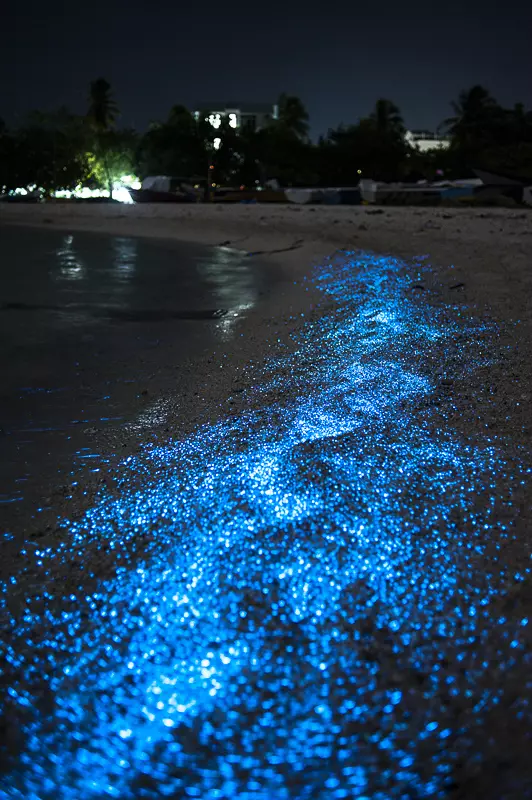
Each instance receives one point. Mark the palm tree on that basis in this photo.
(293, 115)
(473, 106)
(387, 118)
(102, 115)
(103, 110)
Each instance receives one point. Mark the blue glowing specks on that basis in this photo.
(296, 598)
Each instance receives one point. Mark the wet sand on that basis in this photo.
(379, 443)
(491, 248)
(100, 335)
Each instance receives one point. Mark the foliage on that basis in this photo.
(48, 151)
(387, 119)
(362, 150)
(486, 135)
(106, 148)
(474, 107)
(293, 116)
(114, 157)
(59, 150)
(180, 146)
(103, 109)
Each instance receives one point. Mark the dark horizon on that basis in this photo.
(339, 64)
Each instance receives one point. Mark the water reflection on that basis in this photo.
(124, 258)
(156, 414)
(234, 283)
(71, 267)
(79, 312)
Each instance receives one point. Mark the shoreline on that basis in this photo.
(206, 382)
(489, 248)
(478, 259)
(442, 401)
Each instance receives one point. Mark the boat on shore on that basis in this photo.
(495, 179)
(330, 196)
(422, 193)
(164, 189)
(486, 188)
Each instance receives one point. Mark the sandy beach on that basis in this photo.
(490, 248)
(481, 259)
(498, 238)
(396, 336)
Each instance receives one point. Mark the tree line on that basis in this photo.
(61, 150)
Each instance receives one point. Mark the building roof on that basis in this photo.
(244, 107)
(423, 134)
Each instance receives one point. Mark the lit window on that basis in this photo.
(215, 120)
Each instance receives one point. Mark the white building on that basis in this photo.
(424, 141)
(240, 115)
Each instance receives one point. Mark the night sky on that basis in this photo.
(339, 57)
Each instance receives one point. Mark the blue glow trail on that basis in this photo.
(303, 600)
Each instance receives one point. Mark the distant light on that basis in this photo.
(359, 171)
(120, 191)
(233, 122)
(131, 181)
(122, 195)
(20, 191)
(215, 120)
(217, 142)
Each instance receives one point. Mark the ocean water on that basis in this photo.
(90, 327)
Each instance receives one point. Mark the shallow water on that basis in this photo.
(90, 326)
(309, 599)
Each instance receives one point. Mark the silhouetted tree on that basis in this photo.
(102, 114)
(49, 150)
(387, 118)
(181, 146)
(103, 109)
(373, 148)
(118, 148)
(476, 115)
(7, 159)
(483, 134)
(58, 150)
(293, 116)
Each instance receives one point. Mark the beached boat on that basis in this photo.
(496, 185)
(229, 195)
(326, 196)
(399, 193)
(163, 189)
(485, 187)
(494, 179)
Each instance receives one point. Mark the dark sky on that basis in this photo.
(338, 56)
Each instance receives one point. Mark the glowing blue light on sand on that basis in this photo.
(286, 582)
